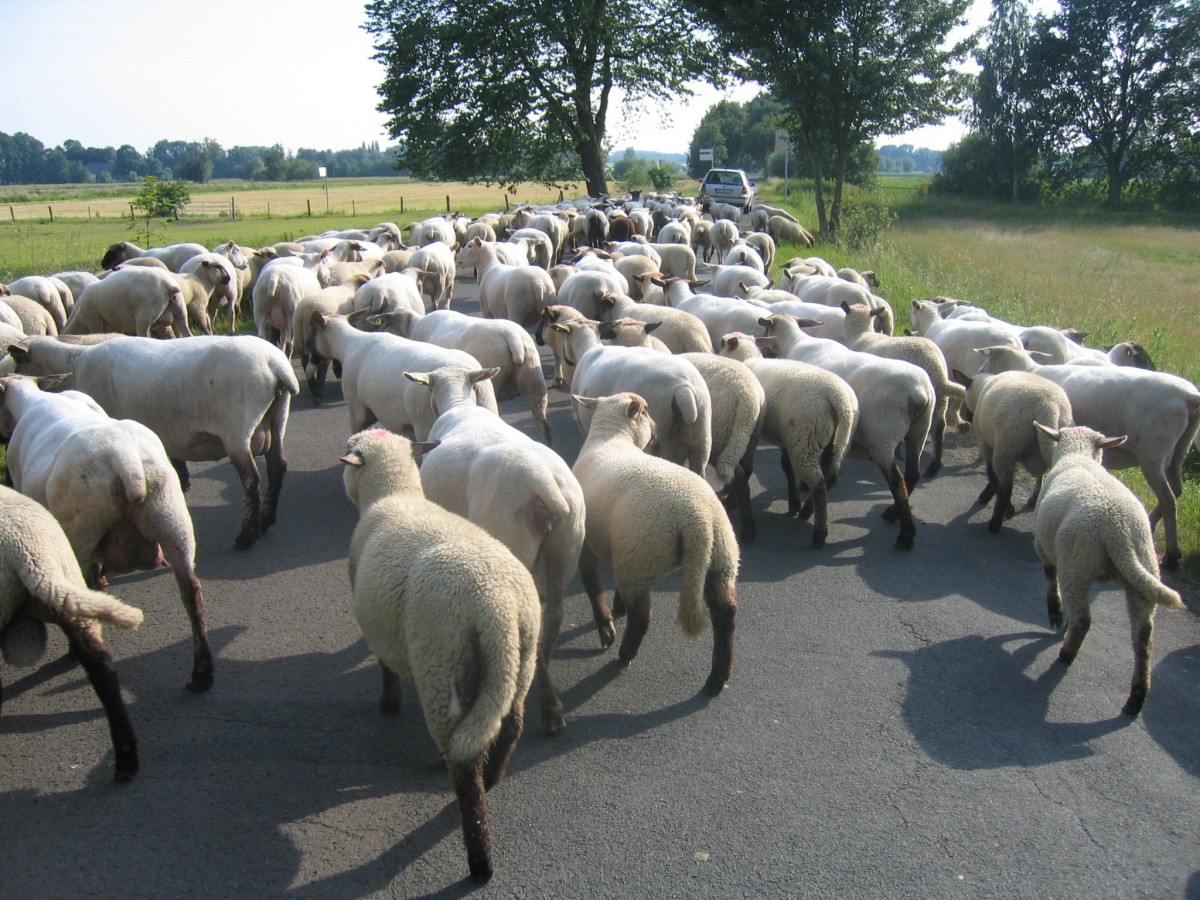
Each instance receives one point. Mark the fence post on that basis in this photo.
(131, 215)
(309, 202)
(353, 207)
(89, 214)
(506, 201)
(232, 208)
(12, 214)
(51, 208)
(401, 206)
(447, 203)
(268, 209)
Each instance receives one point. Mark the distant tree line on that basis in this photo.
(25, 160)
(1098, 101)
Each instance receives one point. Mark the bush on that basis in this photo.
(864, 220)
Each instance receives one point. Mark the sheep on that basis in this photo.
(1090, 528)
(895, 403)
(647, 518)
(538, 248)
(276, 297)
(40, 582)
(723, 234)
(556, 340)
(865, 279)
(735, 280)
(75, 281)
(824, 321)
(785, 231)
(206, 398)
(1060, 348)
(632, 333)
(679, 400)
(173, 255)
(1158, 413)
(821, 288)
(919, 351)
(810, 415)
(959, 339)
(435, 261)
(34, 318)
(764, 245)
(676, 259)
(520, 492)
(45, 293)
(720, 315)
(195, 300)
(505, 291)
(342, 300)
(111, 487)
(675, 232)
(495, 343)
(373, 367)
(743, 254)
(390, 292)
(1003, 409)
(680, 331)
(636, 248)
(551, 225)
(584, 291)
(131, 301)
(219, 274)
(397, 260)
(443, 603)
(632, 268)
(701, 240)
(435, 228)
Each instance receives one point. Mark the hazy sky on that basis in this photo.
(249, 73)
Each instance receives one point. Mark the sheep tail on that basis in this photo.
(952, 389)
(696, 542)
(496, 646)
(130, 473)
(516, 348)
(284, 374)
(77, 601)
(684, 403)
(1140, 579)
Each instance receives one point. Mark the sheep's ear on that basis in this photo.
(484, 374)
(586, 402)
(319, 319)
(1112, 442)
(845, 307)
(353, 458)
(417, 377)
(420, 448)
(559, 327)
(960, 378)
(636, 406)
(19, 353)
(699, 283)
(766, 322)
(1053, 433)
(650, 326)
(877, 311)
(908, 332)
(808, 323)
(52, 382)
(766, 342)
(1035, 355)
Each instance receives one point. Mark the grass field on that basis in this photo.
(1116, 276)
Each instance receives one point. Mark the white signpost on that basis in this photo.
(782, 143)
(321, 174)
(706, 154)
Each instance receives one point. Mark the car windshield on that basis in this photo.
(725, 178)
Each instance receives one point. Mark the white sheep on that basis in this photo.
(960, 339)
(46, 294)
(522, 493)
(1058, 347)
(75, 280)
(173, 255)
(130, 301)
(495, 343)
(40, 582)
(1090, 528)
(517, 293)
(111, 487)
(373, 367)
(720, 315)
(277, 294)
(220, 274)
(820, 288)
(679, 400)
(1158, 413)
(435, 261)
(680, 331)
(785, 231)
(810, 415)
(735, 280)
(895, 409)
(647, 518)
(207, 398)
(919, 351)
(443, 603)
(557, 340)
(1003, 409)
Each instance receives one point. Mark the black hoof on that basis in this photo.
(1133, 706)
(713, 685)
(933, 469)
(552, 723)
(904, 542)
(1170, 562)
(201, 682)
(818, 540)
(890, 514)
(1066, 658)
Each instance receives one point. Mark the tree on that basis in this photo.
(847, 70)
(506, 92)
(1003, 99)
(1116, 82)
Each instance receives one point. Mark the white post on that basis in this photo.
(321, 173)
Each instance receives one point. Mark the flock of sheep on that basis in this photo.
(459, 566)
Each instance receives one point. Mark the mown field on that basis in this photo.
(1116, 276)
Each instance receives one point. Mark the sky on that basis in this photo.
(248, 73)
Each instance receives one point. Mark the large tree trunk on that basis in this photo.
(814, 157)
(1116, 181)
(591, 159)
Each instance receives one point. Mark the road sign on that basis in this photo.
(706, 154)
(781, 140)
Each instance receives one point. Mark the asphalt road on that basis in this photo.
(896, 726)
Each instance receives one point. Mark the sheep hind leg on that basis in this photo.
(472, 810)
(1141, 622)
(1164, 509)
(739, 491)
(192, 595)
(181, 469)
(247, 469)
(637, 622)
(1003, 508)
(721, 596)
(1078, 623)
(88, 648)
(589, 574)
(900, 508)
(551, 704)
(938, 433)
(1053, 600)
(501, 750)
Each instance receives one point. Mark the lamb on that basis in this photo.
(520, 492)
(538, 247)
(865, 279)
(720, 315)
(195, 300)
(1060, 348)
(824, 321)
(810, 415)
(675, 232)
(435, 261)
(919, 351)
(743, 254)
(435, 228)
(1003, 410)
(390, 292)
(277, 295)
(557, 340)
(33, 317)
(206, 398)
(632, 269)
(701, 240)
(173, 255)
(517, 293)
(735, 280)
(764, 245)
(785, 231)
(723, 234)
(373, 367)
(131, 301)
(1090, 528)
(495, 343)
(40, 582)
(647, 518)
(895, 403)
(680, 331)
(676, 259)
(111, 486)
(584, 291)
(442, 602)
(818, 288)
(46, 294)
(679, 400)
(1158, 413)
(220, 276)
(551, 225)
(960, 339)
